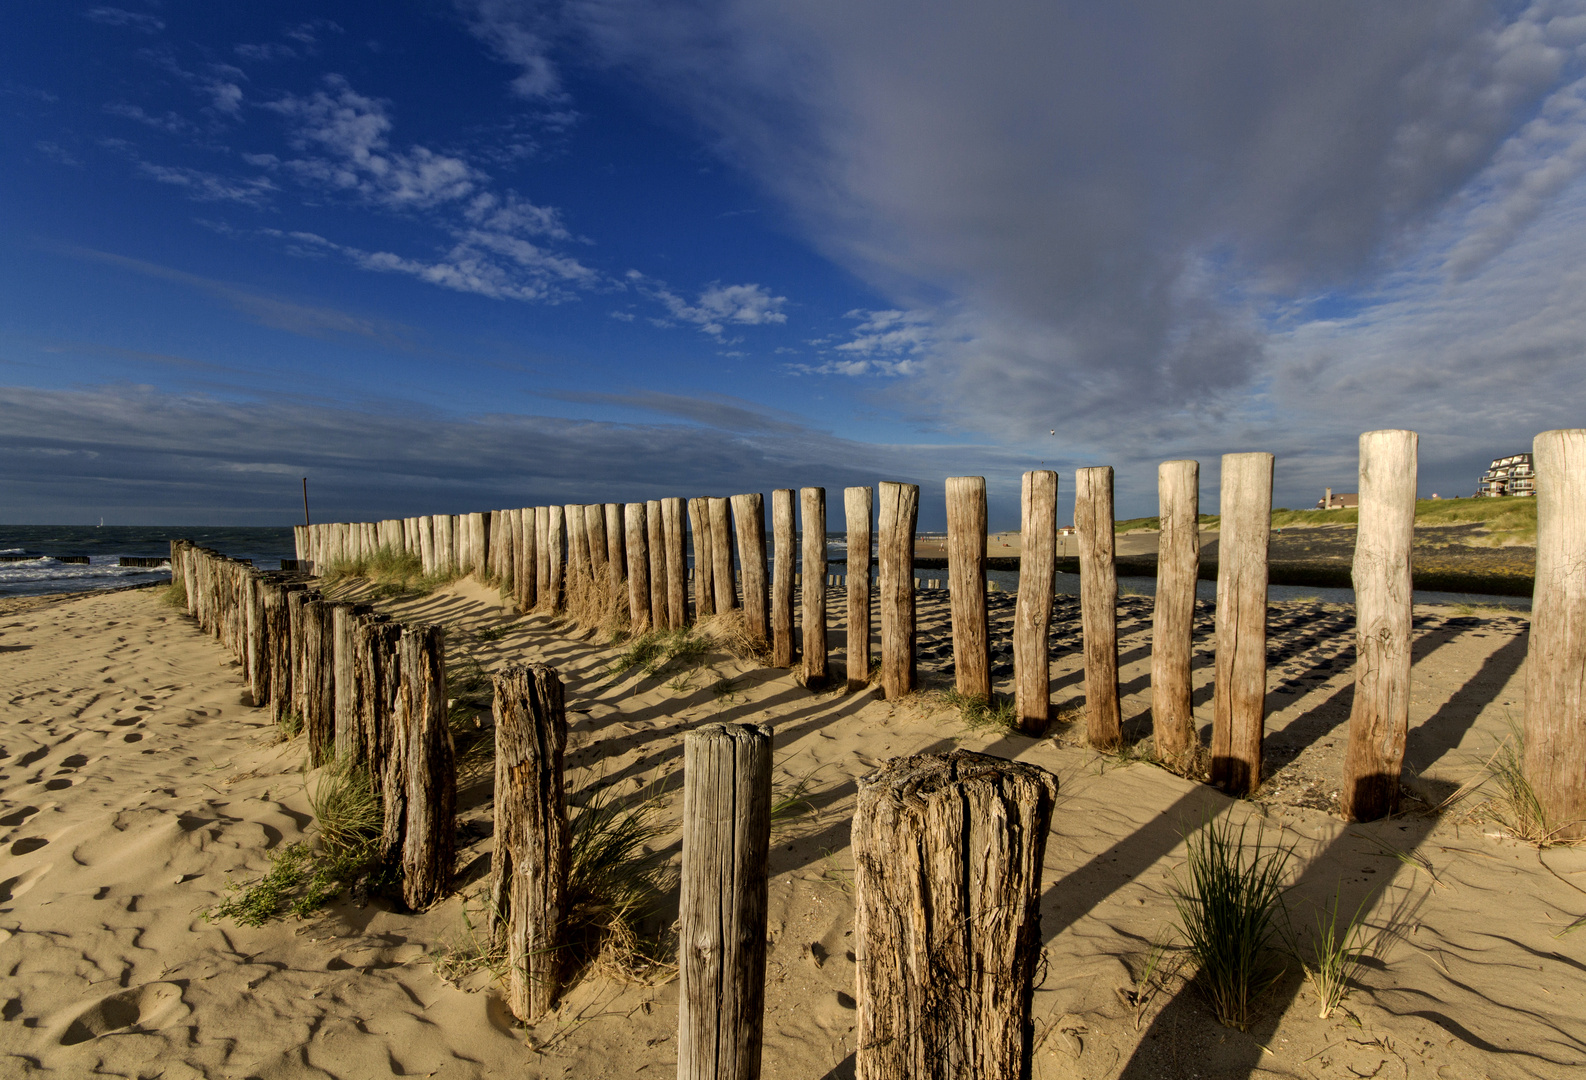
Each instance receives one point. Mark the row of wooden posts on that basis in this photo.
(367, 691)
(540, 549)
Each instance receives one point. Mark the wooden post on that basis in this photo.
(256, 631)
(947, 920)
(1379, 719)
(1239, 719)
(812, 519)
(346, 729)
(1098, 601)
(426, 531)
(1032, 613)
(966, 578)
(655, 537)
(900, 509)
(857, 509)
(316, 693)
(480, 524)
(782, 563)
(638, 541)
(676, 563)
(525, 580)
(553, 598)
(699, 526)
(748, 516)
(616, 554)
(595, 536)
(278, 642)
(420, 785)
(1178, 562)
(378, 641)
(722, 901)
(724, 588)
(1555, 708)
(529, 869)
(579, 570)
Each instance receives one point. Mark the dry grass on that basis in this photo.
(1517, 808)
(394, 575)
(1504, 521)
(175, 595)
(593, 603)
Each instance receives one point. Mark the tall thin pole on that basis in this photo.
(305, 501)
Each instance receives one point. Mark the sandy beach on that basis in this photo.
(135, 786)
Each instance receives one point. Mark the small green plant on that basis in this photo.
(488, 634)
(175, 595)
(1517, 807)
(615, 883)
(792, 802)
(390, 574)
(1336, 953)
(1226, 910)
(474, 949)
(305, 877)
(660, 650)
(981, 712)
(291, 725)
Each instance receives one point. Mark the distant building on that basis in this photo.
(1510, 475)
(1344, 501)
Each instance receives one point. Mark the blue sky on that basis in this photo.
(453, 256)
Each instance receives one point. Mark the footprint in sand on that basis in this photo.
(132, 736)
(17, 817)
(148, 1008)
(27, 844)
(58, 783)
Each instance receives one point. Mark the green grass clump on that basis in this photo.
(393, 574)
(304, 877)
(1227, 910)
(1336, 953)
(982, 712)
(175, 594)
(291, 724)
(1517, 807)
(615, 884)
(661, 650)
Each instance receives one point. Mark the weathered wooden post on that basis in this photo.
(722, 901)
(699, 528)
(554, 597)
(1173, 617)
(579, 565)
(595, 536)
(426, 534)
(1239, 719)
(966, 577)
(812, 520)
(1098, 597)
(900, 509)
(278, 643)
(748, 517)
(857, 509)
(378, 640)
(655, 538)
(638, 541)
(542, 556)
(676, 563)
(1555, 692)
(480, 523)
(616, 556)
(524, 581)
(1379, 719)
(346, 729)
(420, 787)
(947, 886)
(1032, 613)
(724, 588)
(782, 562)
(256, 631)
(316, 694)
(529, 870)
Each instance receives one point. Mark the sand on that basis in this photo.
(135, 784)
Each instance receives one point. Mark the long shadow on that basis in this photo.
(1444, 729)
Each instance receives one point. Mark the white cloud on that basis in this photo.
(169, 122)
(889, 333)
(114, 16)
(717, 307)
(208, 187)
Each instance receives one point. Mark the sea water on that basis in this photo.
(43, 572)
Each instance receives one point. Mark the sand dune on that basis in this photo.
(134, 784)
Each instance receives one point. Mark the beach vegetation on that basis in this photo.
(470, 692)
(291, 725)
(1516, 807)
(343, 854)
(392, 575)
(659, 651)
(175, 594)
(1501, 521)
(978, 711)
(616, 885)
(1338, 947)
(792, 801)
(1228, 905)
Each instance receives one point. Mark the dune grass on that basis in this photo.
(1228, 909)
(1338, 946)
(175, 594)
(978, 712)
(1516, 807)
(394, 575)
(304, 877)
(616, 884)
